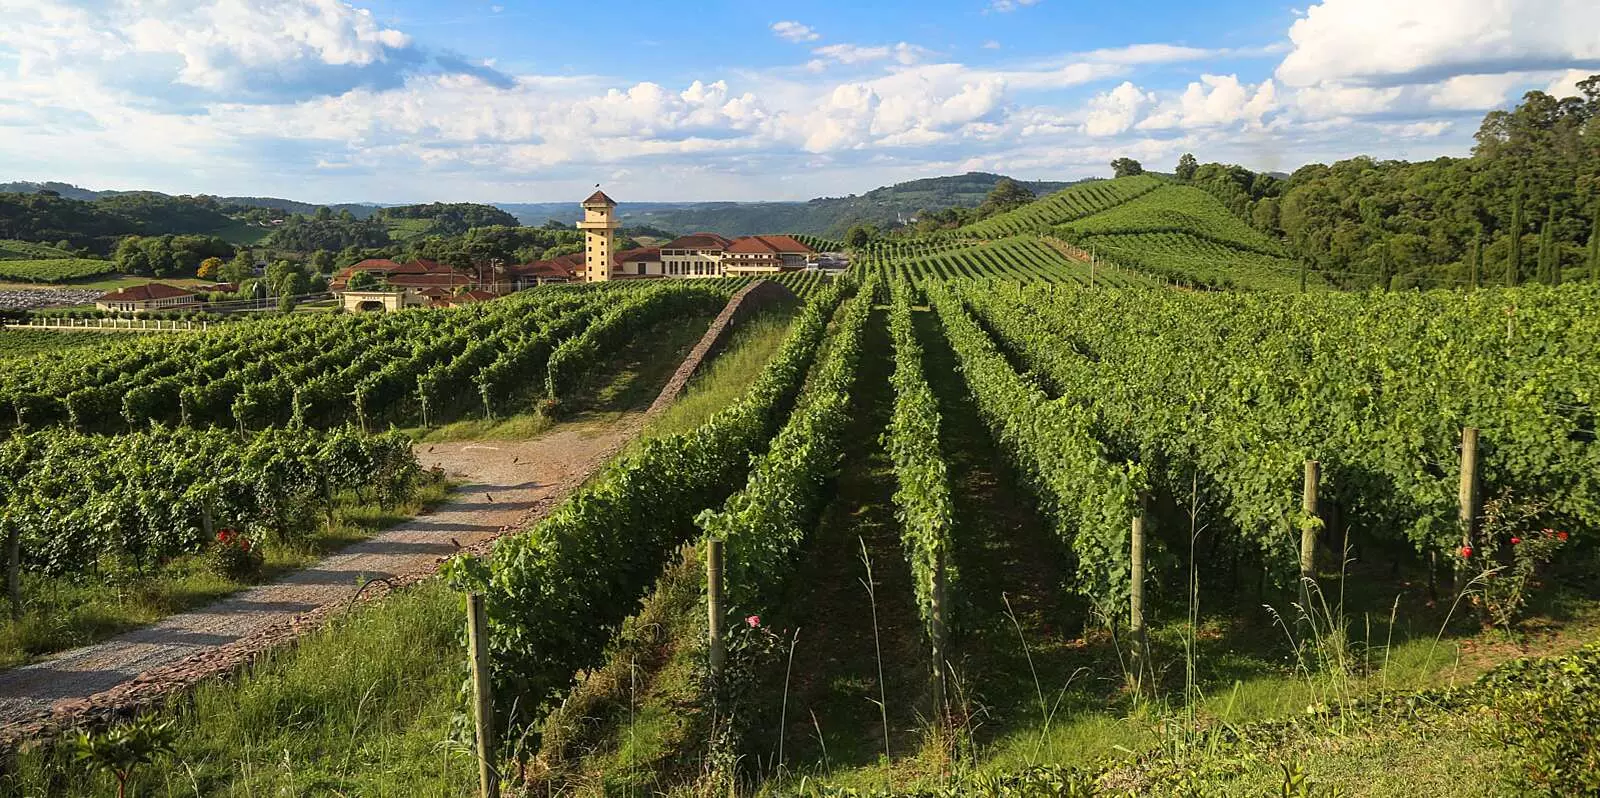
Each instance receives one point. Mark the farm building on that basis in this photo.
(150, 296)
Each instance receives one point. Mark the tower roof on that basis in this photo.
(600, 198)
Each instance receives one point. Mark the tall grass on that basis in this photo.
(370, 705)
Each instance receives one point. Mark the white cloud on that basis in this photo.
(1115, 111)
(218, 45)
(850, 54)
(991, 44)
(792, 31)
(1007, 6)
(1566, 84)
(1380, 42)
(1215, 101)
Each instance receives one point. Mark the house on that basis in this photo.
(563, 269)
(150, 296)
(764, 255)
(416, 283)
(696, 255)
(639, 262)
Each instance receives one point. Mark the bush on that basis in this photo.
(233, 556)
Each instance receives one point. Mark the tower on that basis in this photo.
(599, 228)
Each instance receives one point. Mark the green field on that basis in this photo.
(242, 233)
(22, 343)
(406, 229)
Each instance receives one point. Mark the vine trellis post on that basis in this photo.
(482, 695)
(1136, 627)
(714, 613)
(1310, 510)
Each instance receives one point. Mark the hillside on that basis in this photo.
(1157, 226)
(824, 216)
(360, 210)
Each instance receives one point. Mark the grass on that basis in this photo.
(370, 705)
(242, 233)
(725, 379)
(75, 610)
(23, 343)
(406, 229)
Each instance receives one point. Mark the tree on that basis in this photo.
(860, 236)
(1007, 194)
(241, 268)
(1475, 257)
(322, 261)
(1549, 260)
(1186, 166)
(209, 268)
(1594, 245)
(1126, 167)
(363, 281)
(1514, 259)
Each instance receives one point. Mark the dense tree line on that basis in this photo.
(452, 218)
(328, 230)
(168, 255)
(1524, 206)
(1006, 195)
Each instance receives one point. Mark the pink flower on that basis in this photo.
(1515, 541)
(753, 621)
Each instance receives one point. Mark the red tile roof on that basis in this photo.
(145, 293)
(648, 254)
(753, 245)
(600, 197)
(698, 241)
(373, 265)
(786, 244)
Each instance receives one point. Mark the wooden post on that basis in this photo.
(937, 632)
(714, 619)
(482, 697)
(1311, 509)
(1140, 656)
(1469, 485)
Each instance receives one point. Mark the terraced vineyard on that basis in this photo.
(1077, 202)
(1023, 258)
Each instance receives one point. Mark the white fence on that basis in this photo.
(120, 325)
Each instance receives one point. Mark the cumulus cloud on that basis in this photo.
(903, 53)
(1215, 101)
(792, 31)
(1382, 42)
(263, 48)
(1114, 112)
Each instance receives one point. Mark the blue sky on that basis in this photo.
(399, 100)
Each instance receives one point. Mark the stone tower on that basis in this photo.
(599, 228)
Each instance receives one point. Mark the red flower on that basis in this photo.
(1466, 552)
(225, 535)
(753, 621)
(1561, 536)
(1515, 541)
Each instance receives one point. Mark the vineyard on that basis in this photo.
(991, 510)
(326, 371)
(1019, 258)
(1078, 202)
(54, 270)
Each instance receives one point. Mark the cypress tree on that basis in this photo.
(1514, 260)
(1476, 256)
(1594, 246)
(1550, 255)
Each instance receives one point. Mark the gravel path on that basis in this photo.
(506, 483)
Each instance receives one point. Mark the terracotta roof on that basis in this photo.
(600, 197)
(698, 241)
(786, 244)
(145, 293)
(649, 254)
(752, 244)
(433, 293)
(373, 265)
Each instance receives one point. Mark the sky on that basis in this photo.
(399, 101)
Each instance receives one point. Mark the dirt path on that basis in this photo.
(504, 482)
